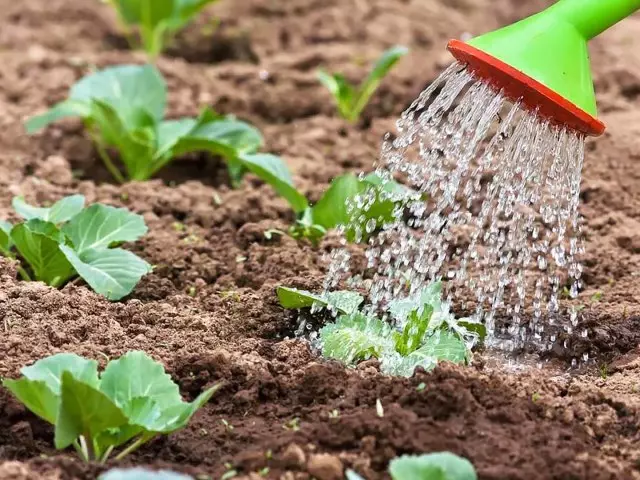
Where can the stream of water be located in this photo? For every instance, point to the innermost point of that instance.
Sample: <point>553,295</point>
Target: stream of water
<point>493,213</point>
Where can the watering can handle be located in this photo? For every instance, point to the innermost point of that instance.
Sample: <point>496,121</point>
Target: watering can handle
<point>592,17</point>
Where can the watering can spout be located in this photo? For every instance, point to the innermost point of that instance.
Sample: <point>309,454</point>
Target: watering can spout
<point>543,61</point>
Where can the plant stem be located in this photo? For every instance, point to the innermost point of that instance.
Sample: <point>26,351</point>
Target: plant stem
<point>106,454</point>
<point>135,445</point>
<point>106,159</point>
<point>81,448</point>
<point>23,274</point>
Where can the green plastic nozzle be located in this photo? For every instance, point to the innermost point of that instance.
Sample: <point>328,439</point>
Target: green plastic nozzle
<point>551,46</point>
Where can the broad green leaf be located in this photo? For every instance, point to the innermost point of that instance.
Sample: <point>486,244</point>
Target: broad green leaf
<point>66,109</point>
<point>185,10</point>
<point>99,226</point>
<point>473,326</point>
<point>140,473</point>
<point>49,370</point>
<point>36,396</point>
<point>440,346</point>
<point>355,337</point>
<point>429,295</point>
<point>343,301</point>
<point>39,242</point>
<point>83,410</point>
<point>178,416</point>
<point>235,134</point>
<point>137,375</point>
<point>332,209</point>
<point>432,466</point>
<point>414,331</point>
<point>128,89</point>
<point>112,272</point>
<point>384,64</point>
<point>343,93</point>
<point>136,146</point>
<point>61,211</point>
<point>5,237</point>
<point>148,12</point>
<point>272,170</point>
<point>168,134</point>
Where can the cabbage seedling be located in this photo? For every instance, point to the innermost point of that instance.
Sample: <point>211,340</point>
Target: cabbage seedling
<point>431,466</point>
<point>68,240</point>
<point>131,402</point>
<point>157,21</point>
<point>123,108</point>
<point>338,206</point>
<point>424,332</point>
<point>351,100</point>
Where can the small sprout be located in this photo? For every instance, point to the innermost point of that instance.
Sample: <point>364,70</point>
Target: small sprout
<point>269,234</point>
<point>352,100</point>
<point>178,226</point>
<point>231,295</point>
<point>69,240</point>
<point>535,397</point>
<point>192,291</point>
<point>191,239</point>
<point>227,425</point>
<point>203,432</point>
<point>293,424</point>
<point>229,474</point>
<point>421,387</point>
<point>596,297</point>
<point>565,292</point>
<point>379,409</point>
<point>268,454</point>
<point>155,24</point>
<point>335,413</point>
<point>264,472</point>
<point>604,371</point>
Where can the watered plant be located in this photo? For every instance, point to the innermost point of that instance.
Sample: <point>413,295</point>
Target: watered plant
<point>67,240</point>
<point>350,99</point>
<point>123,109</point>
<point>431,466</point>
<point>131,402</point>
<point>361,205</point>
<point>423,331</point>
<point>152,24</point>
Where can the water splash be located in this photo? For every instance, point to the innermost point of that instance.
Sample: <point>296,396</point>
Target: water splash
<point>493,213</point>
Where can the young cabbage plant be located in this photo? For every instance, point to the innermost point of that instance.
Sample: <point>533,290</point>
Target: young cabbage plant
<point>360,205</point>
<point>131,402</point>
<point>68,240</point>
<point>424,332</point>
<point>156,21</point>
<point>431,466</point>
<point>351,100</point>
<point>123,109</point>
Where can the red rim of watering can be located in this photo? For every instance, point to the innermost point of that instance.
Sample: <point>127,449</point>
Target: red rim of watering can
<point>519,86</point>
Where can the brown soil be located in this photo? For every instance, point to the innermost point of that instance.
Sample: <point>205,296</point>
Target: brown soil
<point>550,423</point>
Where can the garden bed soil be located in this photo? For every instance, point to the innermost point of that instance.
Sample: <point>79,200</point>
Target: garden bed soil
<point>209,311</point>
